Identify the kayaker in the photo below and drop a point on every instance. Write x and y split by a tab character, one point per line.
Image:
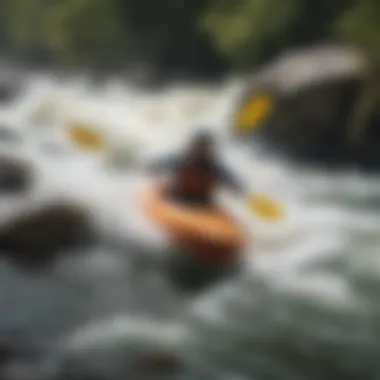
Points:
197	174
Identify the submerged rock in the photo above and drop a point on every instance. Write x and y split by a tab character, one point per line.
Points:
40	237
16	175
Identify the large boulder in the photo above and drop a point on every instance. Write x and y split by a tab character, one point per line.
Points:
41	236
310	99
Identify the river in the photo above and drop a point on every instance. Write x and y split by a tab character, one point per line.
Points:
306	307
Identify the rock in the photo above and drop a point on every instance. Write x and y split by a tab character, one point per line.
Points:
15	175
313	94
40	237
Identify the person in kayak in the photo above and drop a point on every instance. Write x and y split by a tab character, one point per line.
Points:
197	174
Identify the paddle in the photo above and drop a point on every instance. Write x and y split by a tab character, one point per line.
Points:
266	208
89	139
252	113
86	138
255	110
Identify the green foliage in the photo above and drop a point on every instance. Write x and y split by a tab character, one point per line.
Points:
81	30
243	29
27	22
4	26
182	33
248	31
360	25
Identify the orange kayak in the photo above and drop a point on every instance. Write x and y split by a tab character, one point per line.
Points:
211	234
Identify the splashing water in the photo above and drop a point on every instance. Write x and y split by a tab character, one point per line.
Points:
306	308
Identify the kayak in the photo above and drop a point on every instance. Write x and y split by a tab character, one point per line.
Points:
210	234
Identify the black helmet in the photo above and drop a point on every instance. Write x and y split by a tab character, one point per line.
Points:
203	137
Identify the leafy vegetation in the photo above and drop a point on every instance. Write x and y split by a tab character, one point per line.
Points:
180	34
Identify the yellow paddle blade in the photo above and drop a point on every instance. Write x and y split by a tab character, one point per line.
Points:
87	138
266	208
255	110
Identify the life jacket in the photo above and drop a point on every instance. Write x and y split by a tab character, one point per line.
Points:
195	179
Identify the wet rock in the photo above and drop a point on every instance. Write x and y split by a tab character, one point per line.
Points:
41	236
313	94
15	175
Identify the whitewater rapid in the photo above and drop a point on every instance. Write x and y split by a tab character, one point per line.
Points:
308	298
